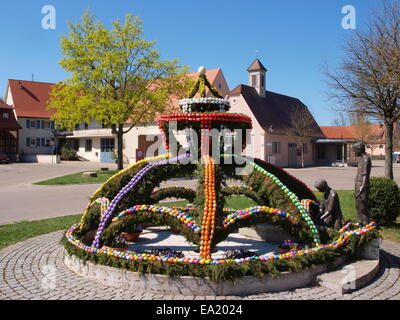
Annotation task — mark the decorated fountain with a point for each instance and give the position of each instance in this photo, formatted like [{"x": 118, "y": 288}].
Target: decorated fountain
[{"x": 132, "y": 198}]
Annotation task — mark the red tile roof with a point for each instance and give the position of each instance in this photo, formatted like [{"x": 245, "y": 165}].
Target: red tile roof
[
  {"x": 30, "y": 98},
  {"x": 10, "y": 123},
  {"x": 4, "y": 105},
  {"x": 350, "y": 132},
  {"x": 334, "y": 132}
]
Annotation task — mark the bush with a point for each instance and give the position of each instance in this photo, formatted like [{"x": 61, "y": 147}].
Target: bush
[
  {"x": 384, "y": 201},
  {"x": 67, "y": 153}
]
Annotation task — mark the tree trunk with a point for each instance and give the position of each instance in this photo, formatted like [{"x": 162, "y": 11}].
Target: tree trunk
[
  {"x": 389, "y": 150},
  {"x": 120, "y": 143}
]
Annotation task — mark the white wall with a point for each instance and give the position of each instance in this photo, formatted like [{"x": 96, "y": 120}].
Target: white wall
[
  {"x": 256, "y": 144},
  {"x": 93, "y": 155},
  {"x": 34, "y": 133}
]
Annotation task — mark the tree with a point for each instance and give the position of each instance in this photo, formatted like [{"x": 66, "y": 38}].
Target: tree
[
  {"x": 362, "y": 127},
  {"x": 117, "y": 78},
  {"x": 396, "y": 137},
  {"x": 341, "y": 121},
  {"x": 367, "y": 81},
  {"x": 301, "y": 128}
]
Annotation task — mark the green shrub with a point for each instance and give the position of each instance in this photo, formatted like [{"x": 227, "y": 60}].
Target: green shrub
[
  {"x": 67, "y": 153},
  {"x": 384, "y": 201}
]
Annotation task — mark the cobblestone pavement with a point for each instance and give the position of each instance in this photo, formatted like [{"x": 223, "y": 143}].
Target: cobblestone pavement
[{"x": 34, "y": 269}]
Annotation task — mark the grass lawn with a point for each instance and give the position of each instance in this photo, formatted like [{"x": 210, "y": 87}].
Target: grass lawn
[
  {"x": 76, "y": 178},
  {"x": 20, "y": 231},
  {"x": 12, "y": 233}
]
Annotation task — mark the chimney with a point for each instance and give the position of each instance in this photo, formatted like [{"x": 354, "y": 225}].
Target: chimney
[{"x": 257, "y": 77}]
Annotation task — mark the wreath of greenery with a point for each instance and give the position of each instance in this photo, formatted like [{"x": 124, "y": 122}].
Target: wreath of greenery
[{"x": 231, "y": 271}]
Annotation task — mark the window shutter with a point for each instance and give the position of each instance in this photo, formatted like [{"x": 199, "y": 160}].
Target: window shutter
[
  {"x": 28, "y": 124},
  {"x": 52, "y": 124},
  {"x": 43, "y": 142},
  {"x": 42, "y": 124},
  {"x": 28, "y": 141},
  {"x": 37, "y": 142}
]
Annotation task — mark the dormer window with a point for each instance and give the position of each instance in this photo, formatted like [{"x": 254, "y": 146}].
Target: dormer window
[{"x": 6, "y": 115}]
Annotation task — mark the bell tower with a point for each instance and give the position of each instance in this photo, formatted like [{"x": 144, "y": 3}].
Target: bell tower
[{"x": 257, "y": 77}]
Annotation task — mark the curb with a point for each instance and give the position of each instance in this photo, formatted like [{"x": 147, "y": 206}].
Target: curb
[{"x": 187, "y": 285}]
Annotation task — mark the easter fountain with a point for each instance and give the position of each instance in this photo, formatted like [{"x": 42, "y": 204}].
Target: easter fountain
[{"x": 94, "y": 249}]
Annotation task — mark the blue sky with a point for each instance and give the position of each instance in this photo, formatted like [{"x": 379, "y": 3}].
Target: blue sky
[{"x": 293, "y": 39}]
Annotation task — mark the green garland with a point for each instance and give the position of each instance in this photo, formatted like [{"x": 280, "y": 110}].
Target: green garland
[
  {"x": 230, "y": 272},
  {"x": 173, "y": 192},
  {"x": 200, "y": 87}
]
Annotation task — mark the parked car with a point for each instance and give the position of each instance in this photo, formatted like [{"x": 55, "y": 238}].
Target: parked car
[
  {"x": 397, "y": 158},
  {"x": 4, "y": 158}
]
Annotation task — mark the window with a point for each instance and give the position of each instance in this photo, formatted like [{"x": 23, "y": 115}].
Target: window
[
  {"x": 381, "y": 146},
  {"x": 254, "y": 80},
  {"x": 47, "y": 142},
  {"x": 32, "y": 124},
  {"x": 47, "y": 125},
  {"x": 77, "y": 127},
  {"x": 88, "y": 145},
  {"x": 32, "y": 142},
  {"x": 86, "y": 126},
  {"x": 262, "y": 81},
  {"x": 276, "y": 147},
  {"x": 107, "y": 145},
  {"x": 6, "y": 115}
]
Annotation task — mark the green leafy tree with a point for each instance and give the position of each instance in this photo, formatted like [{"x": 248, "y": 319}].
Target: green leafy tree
[{"x": 117, "y": 78}]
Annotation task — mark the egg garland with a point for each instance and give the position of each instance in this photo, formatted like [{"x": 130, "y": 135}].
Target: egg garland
[
  {"x": 247, "y": 213},
  {"x": 129, "y": 255},
  {"x": 170, "y": 188},
  {"x": 134, "y": 181},
  {"x": 205, "y": 120},
  {"x": 176, "y": 212},
  {"x": 204, "y": 104},
  {"x": 294, "y": 199},
  {"x": 210, "y": 208},
  {"x": 243, "y": 186},
  {"x": 118, "y": 174}
]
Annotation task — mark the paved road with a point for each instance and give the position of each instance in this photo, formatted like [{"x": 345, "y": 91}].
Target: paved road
[
  {"x": 34, "y": 269},
  {"x": 340, "y": 178},
  {"x": 20, "y": 200}
]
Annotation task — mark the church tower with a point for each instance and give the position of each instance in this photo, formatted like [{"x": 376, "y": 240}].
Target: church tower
[{"x": 257, "y": 79}]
